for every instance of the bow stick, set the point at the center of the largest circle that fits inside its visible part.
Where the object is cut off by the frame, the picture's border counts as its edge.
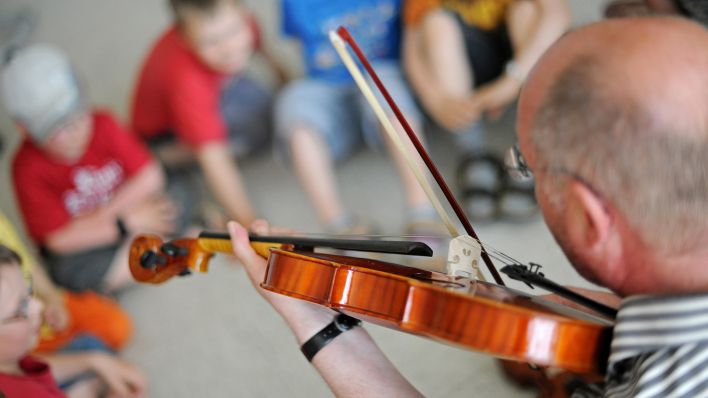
(338, 40)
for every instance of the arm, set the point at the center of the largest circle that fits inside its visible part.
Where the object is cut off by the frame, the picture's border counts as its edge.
(452, 110)
(121, 377)
(530, 40)
(134, 201)
(415, 65)
(352, 365)
(55, 311)
(149, 181)
(224, 181)
(553, 21)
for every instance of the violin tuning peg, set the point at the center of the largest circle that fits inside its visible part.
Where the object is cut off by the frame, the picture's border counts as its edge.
(150, 259)
(173, 250)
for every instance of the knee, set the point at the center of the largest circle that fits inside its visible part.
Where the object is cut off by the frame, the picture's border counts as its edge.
(112, 324)
(120, 330)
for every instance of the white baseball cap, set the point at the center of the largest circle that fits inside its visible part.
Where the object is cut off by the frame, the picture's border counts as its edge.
(40, 89)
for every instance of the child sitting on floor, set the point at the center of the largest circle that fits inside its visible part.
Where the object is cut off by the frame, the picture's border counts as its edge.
(82, 182)
(24, 376)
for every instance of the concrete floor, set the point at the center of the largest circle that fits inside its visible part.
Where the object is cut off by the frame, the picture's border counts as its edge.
(211, 335)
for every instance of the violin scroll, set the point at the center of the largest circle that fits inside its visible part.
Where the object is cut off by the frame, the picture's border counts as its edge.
(152, 260)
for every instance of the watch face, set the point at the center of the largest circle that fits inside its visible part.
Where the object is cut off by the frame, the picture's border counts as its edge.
(346, 322)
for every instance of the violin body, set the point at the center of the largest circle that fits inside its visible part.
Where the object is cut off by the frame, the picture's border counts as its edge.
(473, 314)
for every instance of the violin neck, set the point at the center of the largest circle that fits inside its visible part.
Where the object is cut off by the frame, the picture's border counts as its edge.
(223, 244)
(309, 244)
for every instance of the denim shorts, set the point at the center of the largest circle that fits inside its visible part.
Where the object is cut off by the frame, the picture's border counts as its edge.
(246, 107)
(339, 112)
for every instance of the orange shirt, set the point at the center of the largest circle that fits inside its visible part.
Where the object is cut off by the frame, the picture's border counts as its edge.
(484, 14)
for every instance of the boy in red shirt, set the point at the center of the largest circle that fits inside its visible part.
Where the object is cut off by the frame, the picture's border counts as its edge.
(82, 182)
(192, 88)
(25, 376)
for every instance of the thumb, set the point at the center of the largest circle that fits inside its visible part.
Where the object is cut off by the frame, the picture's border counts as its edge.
(251, 261)
(240, 242)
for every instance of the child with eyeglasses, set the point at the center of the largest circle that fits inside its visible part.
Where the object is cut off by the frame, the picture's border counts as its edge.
(22, 375)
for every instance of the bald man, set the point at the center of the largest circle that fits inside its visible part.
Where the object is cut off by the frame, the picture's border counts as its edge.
(613, 124)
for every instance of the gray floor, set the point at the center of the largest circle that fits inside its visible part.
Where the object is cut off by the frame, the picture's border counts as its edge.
(211, 335)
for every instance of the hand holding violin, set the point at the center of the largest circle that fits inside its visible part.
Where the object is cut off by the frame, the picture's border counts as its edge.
(366, 370)
(303, 317)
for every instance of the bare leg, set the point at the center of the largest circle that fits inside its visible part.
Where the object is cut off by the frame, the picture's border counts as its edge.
(445, 52)
(315, 170)
(415, 196)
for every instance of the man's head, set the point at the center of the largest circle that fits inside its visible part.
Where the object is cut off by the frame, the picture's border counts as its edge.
(218, 31)
(20, 312)
(42, 94)
(613, 123)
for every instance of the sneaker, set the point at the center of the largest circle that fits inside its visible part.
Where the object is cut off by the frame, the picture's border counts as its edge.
(480, 177)
(516, 201)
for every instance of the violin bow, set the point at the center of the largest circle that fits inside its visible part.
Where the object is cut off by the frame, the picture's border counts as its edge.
(338, 40)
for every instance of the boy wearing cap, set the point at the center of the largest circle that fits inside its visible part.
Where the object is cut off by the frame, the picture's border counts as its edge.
(82, 182)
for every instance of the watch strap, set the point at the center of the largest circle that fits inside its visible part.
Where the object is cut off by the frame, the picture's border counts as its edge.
(314, 344)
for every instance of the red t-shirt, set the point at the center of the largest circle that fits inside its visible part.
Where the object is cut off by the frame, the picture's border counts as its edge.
(36, 382)
(51, 192)
(177, 93)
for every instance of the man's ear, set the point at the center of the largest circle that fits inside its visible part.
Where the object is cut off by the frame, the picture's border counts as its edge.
(594, 221)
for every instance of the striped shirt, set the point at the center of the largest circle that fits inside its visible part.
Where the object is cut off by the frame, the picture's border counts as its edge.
(659, 349)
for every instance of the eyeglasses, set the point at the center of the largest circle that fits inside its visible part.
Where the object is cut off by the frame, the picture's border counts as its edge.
(516, 166)
(22, 310)
(518, 169)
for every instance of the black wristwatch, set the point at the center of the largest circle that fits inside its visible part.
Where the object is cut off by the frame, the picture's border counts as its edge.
(341, 323)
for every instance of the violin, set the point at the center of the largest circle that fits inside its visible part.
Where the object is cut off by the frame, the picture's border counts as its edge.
(453, 305)
(454, 309)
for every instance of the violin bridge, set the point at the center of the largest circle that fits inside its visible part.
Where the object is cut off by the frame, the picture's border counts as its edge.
(463, 257)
